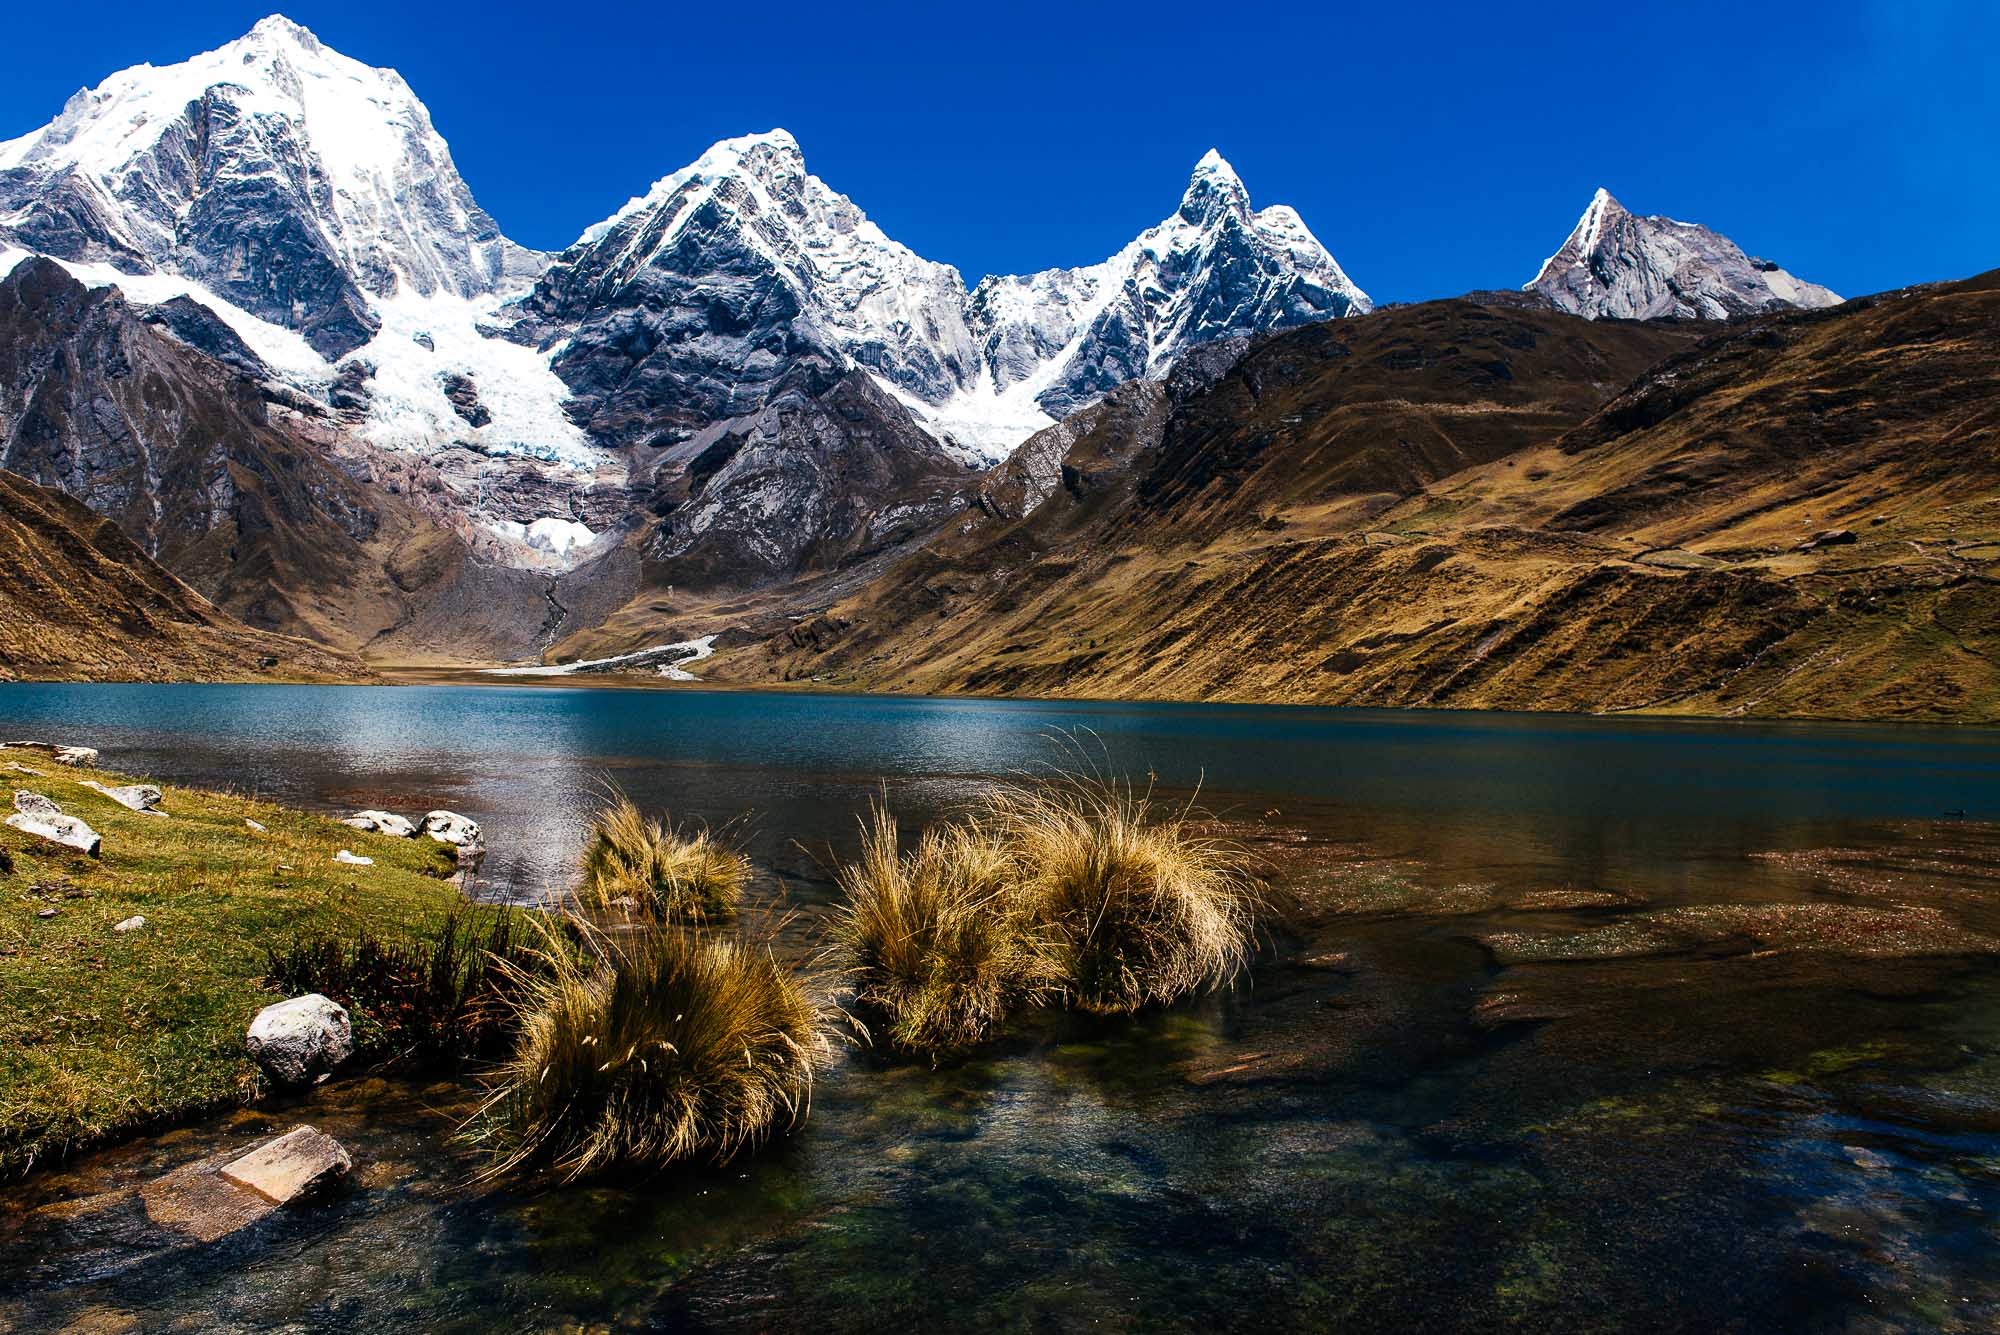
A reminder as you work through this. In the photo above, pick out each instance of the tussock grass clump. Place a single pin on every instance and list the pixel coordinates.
(438, 995)
(1128, 904)
(670, 874)
(933, 936)
(670, 1045)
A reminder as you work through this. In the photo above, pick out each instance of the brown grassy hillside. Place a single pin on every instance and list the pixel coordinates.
(79, 600)
(1473, 506)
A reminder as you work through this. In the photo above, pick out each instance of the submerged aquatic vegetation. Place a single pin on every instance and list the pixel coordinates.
(437, 994)
(663, 1046)
(1128, 904)
(667, 873)
(933, 937)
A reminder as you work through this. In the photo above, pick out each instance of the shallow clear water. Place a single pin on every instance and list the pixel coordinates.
(1461, 1095)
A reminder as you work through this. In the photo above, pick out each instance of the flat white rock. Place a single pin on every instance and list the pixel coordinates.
(296, 1165)
(37, 815)
(448, 827)
(352, 860)
(131, 924)
(381, 822)
(142, 797)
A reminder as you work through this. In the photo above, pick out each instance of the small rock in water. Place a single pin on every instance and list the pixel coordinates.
(352, 860)
(142, 797)
(131, 924)
(298, 1039)
(381, 822)
(37, 815)
(448, 827)
(298, 1164)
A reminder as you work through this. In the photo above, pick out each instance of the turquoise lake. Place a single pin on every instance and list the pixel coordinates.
(1588, 1025)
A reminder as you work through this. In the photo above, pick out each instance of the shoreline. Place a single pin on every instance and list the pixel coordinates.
(481, 675)
(108, 1030)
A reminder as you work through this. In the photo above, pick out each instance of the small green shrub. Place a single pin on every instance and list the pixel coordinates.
(937, 950)
(666, 874)
(436, 997)
(670, 1046)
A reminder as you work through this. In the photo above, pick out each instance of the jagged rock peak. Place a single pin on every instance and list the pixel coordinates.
(1213, 186)
(1620, 264)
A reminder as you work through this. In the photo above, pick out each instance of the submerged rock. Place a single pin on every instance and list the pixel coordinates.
(381, 822)
(298, 1039)
(141, 797)
(299, 1164)
(37, 815)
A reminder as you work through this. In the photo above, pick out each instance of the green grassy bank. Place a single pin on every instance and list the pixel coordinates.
(105, 1033)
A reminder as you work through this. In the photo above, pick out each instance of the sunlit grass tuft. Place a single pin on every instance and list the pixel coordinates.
(1129, 905)
(669, 1045)
(936, 947)
(665, 873)
(1074, 890)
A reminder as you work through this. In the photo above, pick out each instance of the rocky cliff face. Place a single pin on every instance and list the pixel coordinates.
(80, 600)
(1214, 270)
(1618, 264)
(259, 502)
(832, 469)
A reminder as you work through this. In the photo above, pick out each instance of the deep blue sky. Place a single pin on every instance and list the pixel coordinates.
(1434, 148)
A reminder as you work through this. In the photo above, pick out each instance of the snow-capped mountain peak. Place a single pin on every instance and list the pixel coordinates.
(1620, 264)
(1213, 187)
(293, 181)
(743, 260)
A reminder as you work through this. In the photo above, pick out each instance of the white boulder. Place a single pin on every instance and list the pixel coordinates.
(37, 815)
(142, 797)
(131, 924)
(299, 1039)
(350, 859)
(381, 822)
(448, 827)
(65, 755)
(301, 1163)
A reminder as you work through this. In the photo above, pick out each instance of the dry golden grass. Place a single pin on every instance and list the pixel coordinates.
(1077, 891)
(938, 949)
(669, 874)
(1128, 905)
(666, 1046)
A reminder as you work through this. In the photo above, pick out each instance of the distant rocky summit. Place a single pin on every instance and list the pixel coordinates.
(1618, 264)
